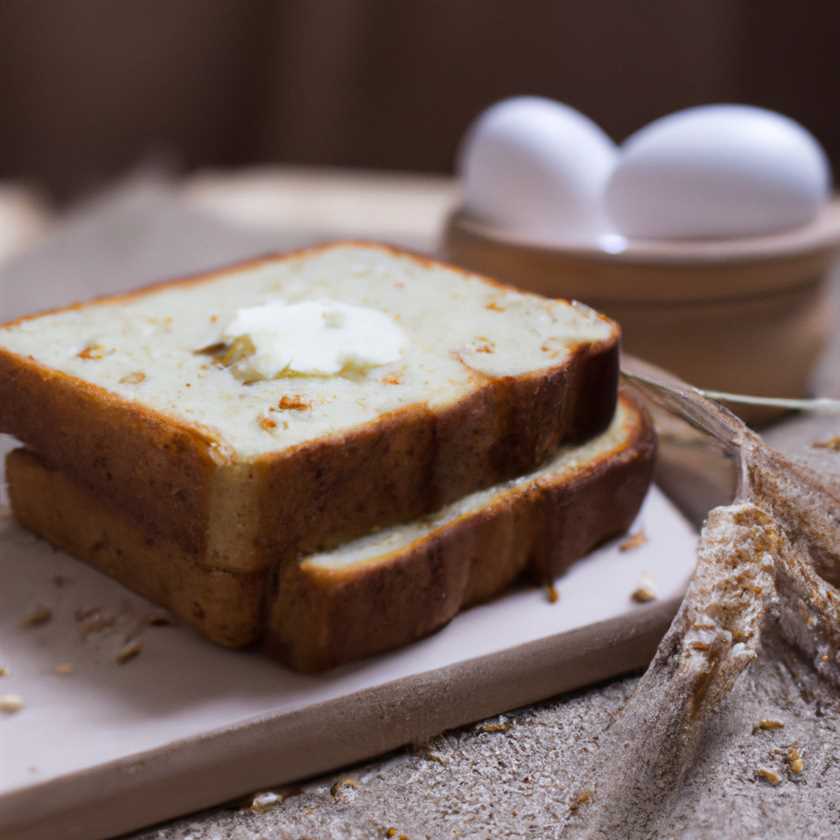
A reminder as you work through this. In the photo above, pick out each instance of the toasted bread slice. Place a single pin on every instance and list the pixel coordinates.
(377, 592)
(117, 394)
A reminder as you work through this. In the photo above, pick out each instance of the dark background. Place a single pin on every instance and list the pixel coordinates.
(89, 88)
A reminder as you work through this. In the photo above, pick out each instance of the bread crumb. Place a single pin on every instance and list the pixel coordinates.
(583, 798)
(636, 540)
(348, 782)
(36, 617)
(770, 776)
(552, 593)
(64, 668)
(644, 592)
(94, 351)
(794, 758)
(767, 723)
(293, 403)
(484, 345)
(391, 379)
(10, 703)
(4, 672)
(134, 378)
(494, 306)
(214, 319)
(391, 832)
(500, 726)
(267, 424)
(832, 443)
(128, 652)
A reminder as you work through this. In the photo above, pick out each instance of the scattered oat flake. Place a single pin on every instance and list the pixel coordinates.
(644, 592)
(134, 378)
(769, 776)
(293, 403)
(128, 652)
(263, 802)
(636, 540)
(349, 782)
(794, 758)
(10, 703)
(583, 798)
(768, 723)
(96, 622)
(552, 594)
(64, 668)
(36, 617)
(499, 726)
(832, 443)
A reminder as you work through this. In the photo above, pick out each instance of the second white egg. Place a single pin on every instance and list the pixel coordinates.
(717, 171)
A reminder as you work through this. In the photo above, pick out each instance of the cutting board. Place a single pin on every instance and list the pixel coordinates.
(110, 747)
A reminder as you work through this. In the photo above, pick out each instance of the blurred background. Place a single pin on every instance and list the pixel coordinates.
(92, 88)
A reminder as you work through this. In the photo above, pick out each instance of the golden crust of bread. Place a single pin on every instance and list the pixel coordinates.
(223, 606)
(178, 482)
(322, 617)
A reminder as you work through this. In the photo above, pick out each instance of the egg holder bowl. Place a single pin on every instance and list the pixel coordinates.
(747, 315)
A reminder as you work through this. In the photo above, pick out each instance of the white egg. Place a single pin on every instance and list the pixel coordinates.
(717, 171)
(536, 168)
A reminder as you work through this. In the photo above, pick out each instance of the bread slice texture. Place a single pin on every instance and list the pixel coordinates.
(114, 394)
(377, 592)
(395, 586)
(225, 607)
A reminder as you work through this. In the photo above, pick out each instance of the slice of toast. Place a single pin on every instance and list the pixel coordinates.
(240, 475)
(377, 592)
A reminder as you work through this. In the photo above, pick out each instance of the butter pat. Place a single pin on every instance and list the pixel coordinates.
(315, 338)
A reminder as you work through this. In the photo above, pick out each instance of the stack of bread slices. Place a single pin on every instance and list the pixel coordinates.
(328, 501)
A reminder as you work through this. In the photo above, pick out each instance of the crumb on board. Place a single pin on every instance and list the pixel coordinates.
(583, 798)
(832, 443)
(634, 540)
(494, 306)
(645, 591)
(766, 724)
(267, 424)
(64, 668)
(794, 759)
(134, 378)
(4, 672)
(495, 726)
(128, 652)
(295, 402)
(552, 594)
(391, 379)
(10, 703)
(36, 616)
(769, 776)
(347, 782)
(484, 345)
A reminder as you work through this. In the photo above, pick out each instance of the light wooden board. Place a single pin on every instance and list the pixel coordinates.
(108, 748)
